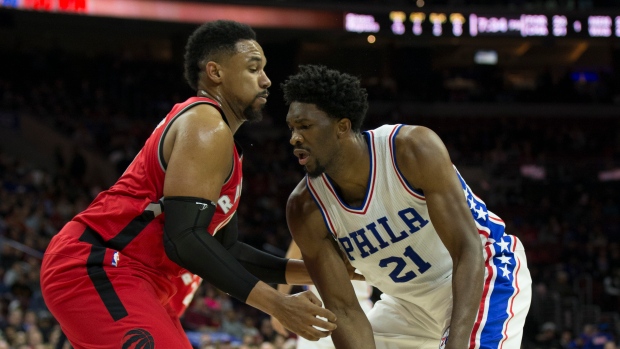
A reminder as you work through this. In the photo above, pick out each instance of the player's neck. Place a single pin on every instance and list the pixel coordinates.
(230, 117)
(353, 170)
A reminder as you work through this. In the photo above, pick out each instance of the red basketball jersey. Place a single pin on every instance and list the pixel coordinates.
(187, 284)
(128, 216)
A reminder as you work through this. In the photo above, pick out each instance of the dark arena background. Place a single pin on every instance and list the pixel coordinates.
(525, 94)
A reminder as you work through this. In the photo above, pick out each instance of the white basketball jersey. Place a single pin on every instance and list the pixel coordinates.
(390, 237)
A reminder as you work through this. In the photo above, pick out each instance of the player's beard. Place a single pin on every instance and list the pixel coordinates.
(253, 114)
(317, 171)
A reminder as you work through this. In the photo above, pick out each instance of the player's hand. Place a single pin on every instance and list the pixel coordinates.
(300, 314)
(278, 327)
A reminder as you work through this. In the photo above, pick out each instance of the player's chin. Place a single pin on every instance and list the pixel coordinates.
(253, 114)
(312, 172)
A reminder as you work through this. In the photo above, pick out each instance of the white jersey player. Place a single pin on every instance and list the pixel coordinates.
(392, 202)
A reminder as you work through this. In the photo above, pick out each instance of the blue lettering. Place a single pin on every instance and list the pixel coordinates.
(400, 265)
(363, 244)
(415, 222)
(348, 247)
(373, 229)
(415, 258)
(383, 221)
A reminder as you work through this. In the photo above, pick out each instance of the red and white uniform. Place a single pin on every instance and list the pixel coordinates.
(105, 276)
(187, 285)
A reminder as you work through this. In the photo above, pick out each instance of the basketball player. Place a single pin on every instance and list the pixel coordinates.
(362, 290)
(392, 201)
(107, 276)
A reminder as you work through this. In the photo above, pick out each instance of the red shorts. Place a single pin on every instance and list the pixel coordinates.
(103, 299)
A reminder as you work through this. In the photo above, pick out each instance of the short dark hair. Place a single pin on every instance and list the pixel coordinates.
(210, 40)
(338, 94)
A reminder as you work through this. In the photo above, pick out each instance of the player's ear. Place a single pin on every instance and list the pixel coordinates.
(344, 126)
(212, 70)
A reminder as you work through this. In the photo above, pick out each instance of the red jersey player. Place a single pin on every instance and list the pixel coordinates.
(109, 274)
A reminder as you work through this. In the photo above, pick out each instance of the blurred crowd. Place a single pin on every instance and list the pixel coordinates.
(551, 180)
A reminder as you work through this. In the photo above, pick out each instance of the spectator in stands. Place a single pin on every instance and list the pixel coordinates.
(547, 338)
(198, 317)
(266, 330)
(598, 337)
(251, 334)
(231, 324)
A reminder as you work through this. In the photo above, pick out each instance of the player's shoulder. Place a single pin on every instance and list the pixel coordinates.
(415, 133)
(300, 194)
(205, 114)
(303, 215)
(206, 121)
(300, 200)
(417, 139)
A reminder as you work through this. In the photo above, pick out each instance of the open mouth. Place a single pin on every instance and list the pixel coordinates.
(302, 155)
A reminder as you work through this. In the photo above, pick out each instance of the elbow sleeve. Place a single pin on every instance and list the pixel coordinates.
(188, 243)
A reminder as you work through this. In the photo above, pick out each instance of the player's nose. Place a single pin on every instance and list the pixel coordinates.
(295, 138)
(264, 81)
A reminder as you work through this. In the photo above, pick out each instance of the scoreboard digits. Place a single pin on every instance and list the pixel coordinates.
(442, 24)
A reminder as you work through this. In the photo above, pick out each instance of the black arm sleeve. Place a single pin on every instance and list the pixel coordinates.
(267, 267)
(188, 244)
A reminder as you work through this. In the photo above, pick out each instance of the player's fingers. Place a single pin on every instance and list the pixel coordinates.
(313, 298)
(325, 320)
(327, 315)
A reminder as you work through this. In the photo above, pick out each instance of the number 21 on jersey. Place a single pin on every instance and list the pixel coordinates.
(399, 264)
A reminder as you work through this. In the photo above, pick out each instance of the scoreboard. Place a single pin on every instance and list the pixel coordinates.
(458, 24)
(398, 23)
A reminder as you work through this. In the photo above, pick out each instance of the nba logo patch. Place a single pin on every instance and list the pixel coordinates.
(115, 259)
(444, 338)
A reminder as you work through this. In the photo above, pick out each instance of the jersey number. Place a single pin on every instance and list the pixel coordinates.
(397, 274)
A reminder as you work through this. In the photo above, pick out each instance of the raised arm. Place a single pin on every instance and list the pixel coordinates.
(425, 163)
(198, 150)
(328, 270)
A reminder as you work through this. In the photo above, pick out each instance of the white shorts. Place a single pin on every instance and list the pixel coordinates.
(398, 324)
(323, 343)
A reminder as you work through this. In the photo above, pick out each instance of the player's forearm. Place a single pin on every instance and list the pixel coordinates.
(264, 298)
(467, 284)
(354, 331)
(296, 273)
(285, 289)
(267, 267)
